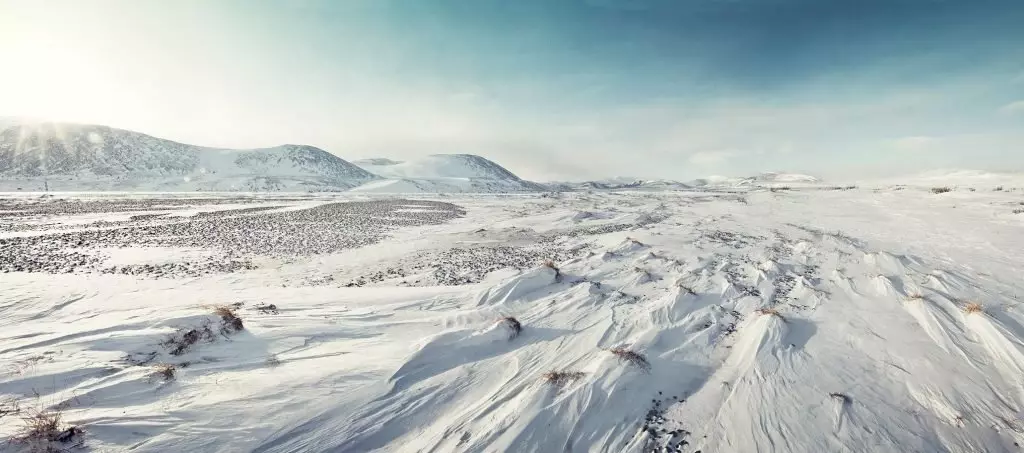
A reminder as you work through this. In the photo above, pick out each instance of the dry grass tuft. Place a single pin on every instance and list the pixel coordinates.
(551, 265)
(686, 288)
(230, 322)
(632, 357)
(267, 309)
(973, 307)
(183, 340)
(273, 361)
(514, 326)
(44, 431)
(165, 371)
(9, 406)
(914, 297)
(769, 311)
(938, 190)
(560, 378)
(842, 398)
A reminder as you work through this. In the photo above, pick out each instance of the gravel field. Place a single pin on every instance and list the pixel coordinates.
(236, 234)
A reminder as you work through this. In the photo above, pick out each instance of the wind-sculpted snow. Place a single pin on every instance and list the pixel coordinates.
(802, 320)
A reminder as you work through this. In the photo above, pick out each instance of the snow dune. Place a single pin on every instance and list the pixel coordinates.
(771, 321)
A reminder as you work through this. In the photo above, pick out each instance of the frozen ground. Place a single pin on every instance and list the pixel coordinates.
(785, 321)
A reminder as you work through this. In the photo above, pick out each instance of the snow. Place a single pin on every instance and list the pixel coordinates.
(959, 178)
(440, 173)
(72, 157)
(801, 321)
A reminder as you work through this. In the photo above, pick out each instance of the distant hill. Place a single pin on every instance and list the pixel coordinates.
(443, 173)
(91, 157)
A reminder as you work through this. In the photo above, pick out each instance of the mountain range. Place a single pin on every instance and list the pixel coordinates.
(80, 157)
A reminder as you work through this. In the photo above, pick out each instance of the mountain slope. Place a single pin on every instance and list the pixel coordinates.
(90, 157)
(443, 173)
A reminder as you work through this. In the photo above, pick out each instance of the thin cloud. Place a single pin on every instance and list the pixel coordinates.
(1013, 108)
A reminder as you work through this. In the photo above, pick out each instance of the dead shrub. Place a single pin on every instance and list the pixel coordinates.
(9, 406)
(632, 357)
(230, 322)
(180, 342)
(914, 297)
(273, 361)
(44, 431)
(165, 371)
(938, 190)
(769, 312)
(686, 288)
(560, 378)
(513, 325)
(841, 398)
(973, 307)
(267, 309)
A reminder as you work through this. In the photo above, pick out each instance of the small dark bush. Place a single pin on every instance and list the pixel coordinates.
(632, 357)
(560, 378)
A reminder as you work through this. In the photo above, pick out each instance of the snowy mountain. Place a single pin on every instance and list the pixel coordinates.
(90, 157)
(770, 179)
(443, 173)
(620, 183)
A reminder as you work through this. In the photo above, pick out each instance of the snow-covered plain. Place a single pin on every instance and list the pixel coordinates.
(772, 321)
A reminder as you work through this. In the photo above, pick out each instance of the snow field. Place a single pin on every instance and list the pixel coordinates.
(771, 321)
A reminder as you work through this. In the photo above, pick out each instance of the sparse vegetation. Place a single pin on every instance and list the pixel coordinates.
(632, 357)
(1018, 211)
(551, 265)
(273, 361)
(560, 378)
(267, 309)
(998, 189)
(9, 406)
(841, 398)
(686, 288)
(180, 342)
(915, 296)
(165, 371)
(973, 307)
(938, 190)
(230, 322)
(513, 325)
(44, 431)
(769, 312)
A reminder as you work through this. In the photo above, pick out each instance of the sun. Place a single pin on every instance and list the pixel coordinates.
(47, 77)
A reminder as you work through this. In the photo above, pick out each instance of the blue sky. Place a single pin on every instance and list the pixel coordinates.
(550, 89)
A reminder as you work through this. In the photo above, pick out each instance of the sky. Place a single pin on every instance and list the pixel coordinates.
(550, 89)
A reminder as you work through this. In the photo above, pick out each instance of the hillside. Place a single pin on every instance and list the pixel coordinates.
(443, 173)
(91, 157)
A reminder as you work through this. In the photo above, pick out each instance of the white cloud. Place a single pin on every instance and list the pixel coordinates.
(1013, 108)
(711, 158)
(915, 143)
